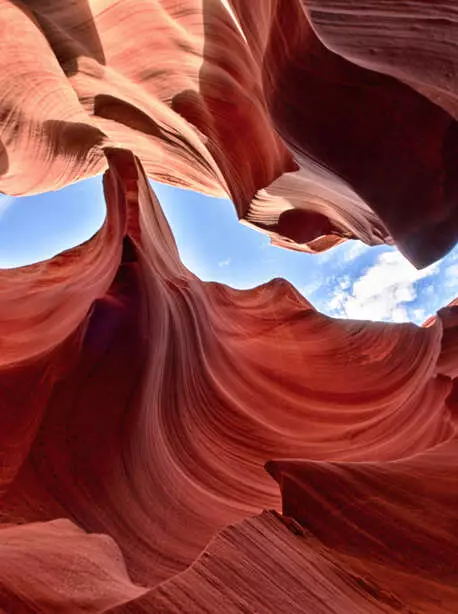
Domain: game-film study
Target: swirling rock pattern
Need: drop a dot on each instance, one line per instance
(392, 522)
(67, 570)
(140, 405)
(148, 415)
(367, 115)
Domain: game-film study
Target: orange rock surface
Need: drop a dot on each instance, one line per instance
(201, 91)
(139, 406)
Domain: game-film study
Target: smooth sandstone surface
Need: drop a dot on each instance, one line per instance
(317, 123)
(148, 419)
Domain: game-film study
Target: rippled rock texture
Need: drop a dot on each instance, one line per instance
(322, 119)
(148, 419)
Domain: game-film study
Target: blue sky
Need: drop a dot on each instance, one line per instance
(351, 280)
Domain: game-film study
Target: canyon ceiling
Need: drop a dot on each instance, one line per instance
(175, 446)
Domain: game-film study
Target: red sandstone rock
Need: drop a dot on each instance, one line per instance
(366, 114)
(56, 567)
(393, 523)
(266, 564)
(139, 405)
(150, 418)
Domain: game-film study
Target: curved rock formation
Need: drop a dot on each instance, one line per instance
(147, 412)
(67, 570)
(366, 116)
(140, 405)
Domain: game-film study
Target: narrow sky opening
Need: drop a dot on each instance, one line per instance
(35, 228)
(349, 281)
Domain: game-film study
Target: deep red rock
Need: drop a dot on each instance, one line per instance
(138, 404)
(353, 125)
(162, 403)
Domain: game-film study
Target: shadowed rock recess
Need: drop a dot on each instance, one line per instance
(174, 446)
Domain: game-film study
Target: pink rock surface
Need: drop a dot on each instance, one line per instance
(318, 124)
(57, 567)
(150, 419)
(139, 405)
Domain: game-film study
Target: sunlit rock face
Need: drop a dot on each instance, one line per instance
(141, 404)
(169, 445)
(321, 119)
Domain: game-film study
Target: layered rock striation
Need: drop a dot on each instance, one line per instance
(169, 445)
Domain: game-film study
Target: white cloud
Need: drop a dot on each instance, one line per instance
(353, 249)
(383, 292)
(419, 315)
(223, 263)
